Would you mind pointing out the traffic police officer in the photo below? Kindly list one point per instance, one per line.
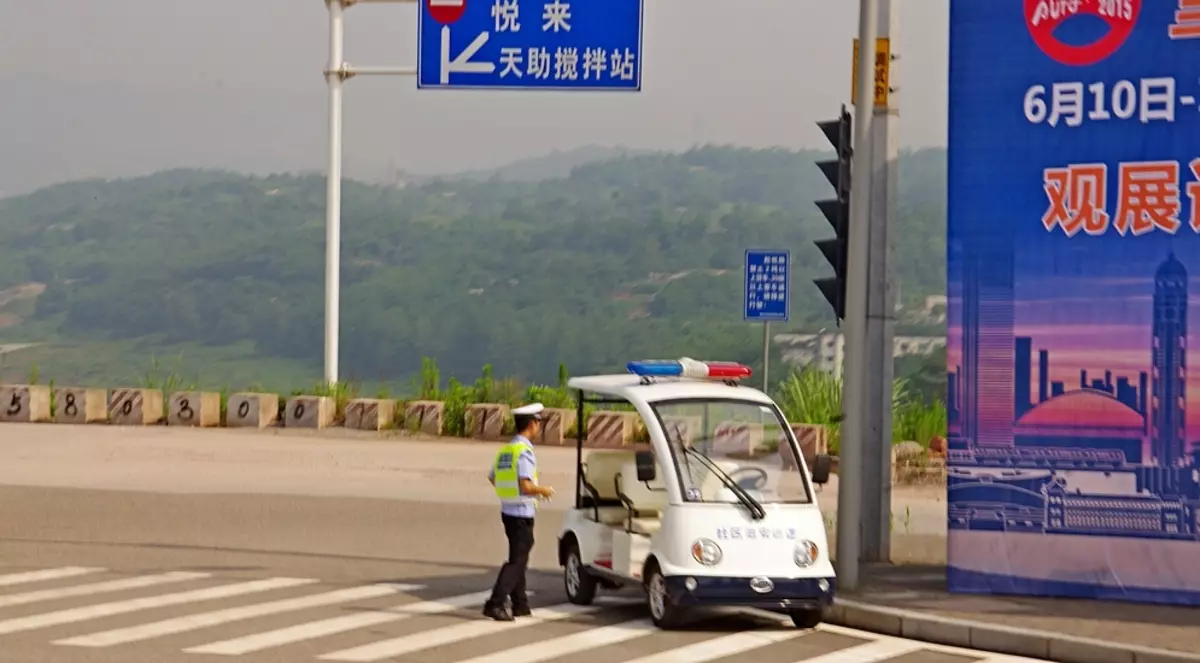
(514, 474)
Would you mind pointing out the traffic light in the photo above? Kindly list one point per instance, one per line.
(837, 210)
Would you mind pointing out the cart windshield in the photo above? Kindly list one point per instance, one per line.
(718, 442)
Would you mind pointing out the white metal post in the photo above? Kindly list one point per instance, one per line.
(766, 351)
(850, 466)
(337, 71)
(335, 76)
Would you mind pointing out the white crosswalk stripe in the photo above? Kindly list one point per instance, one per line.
(136, 582)
(132, 605)
(206, 619)
(570, 644)
(320, 629)
(316, 616)
(871, 652)
(49, 574)
(410, 643)
(729, 645)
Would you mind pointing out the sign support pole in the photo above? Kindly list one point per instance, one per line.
(335, 77)
(337, 72)
(881, 310)
(766, 352)
(850, 469)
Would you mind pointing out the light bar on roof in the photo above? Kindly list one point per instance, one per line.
(689, 368)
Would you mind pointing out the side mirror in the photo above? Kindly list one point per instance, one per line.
(646, 470)
(821, 468)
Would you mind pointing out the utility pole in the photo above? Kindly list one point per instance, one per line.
(850, 466)
(881, 303)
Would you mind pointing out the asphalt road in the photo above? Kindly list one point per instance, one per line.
(159, 546)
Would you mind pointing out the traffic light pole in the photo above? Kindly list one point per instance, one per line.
(853, 438)
(881, 311)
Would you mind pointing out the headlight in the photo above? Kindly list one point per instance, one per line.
(806, 553)
(706, 551)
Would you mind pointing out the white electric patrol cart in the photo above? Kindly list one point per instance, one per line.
(718, 509)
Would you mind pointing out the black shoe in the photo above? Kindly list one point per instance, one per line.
(521, 611)
(497, 612)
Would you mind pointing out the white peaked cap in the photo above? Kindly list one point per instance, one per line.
(532, 408)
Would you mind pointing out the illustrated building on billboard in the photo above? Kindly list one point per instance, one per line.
(1107, 457)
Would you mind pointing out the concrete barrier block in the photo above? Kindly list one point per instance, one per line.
(251, 410)
(370, 413)
(309, 412)
(427, 417)
(734, 437)
(24, 403)
(194, 408)
(813, 440)
(556, 422)
(135, 407)
(485, 421)
(685, 429)
(610, 428)
(76, 405)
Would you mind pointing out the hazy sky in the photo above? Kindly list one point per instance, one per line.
(121, 87)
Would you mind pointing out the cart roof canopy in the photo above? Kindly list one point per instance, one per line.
(635, 388)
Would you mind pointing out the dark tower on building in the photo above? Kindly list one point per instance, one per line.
(1168, 402)
(1022, 380)
(1043, 375)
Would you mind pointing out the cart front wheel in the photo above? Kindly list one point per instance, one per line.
(806, 618)
(663, 612)
(580, 585)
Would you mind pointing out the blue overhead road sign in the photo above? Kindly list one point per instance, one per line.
(530, 44)
(766, 292)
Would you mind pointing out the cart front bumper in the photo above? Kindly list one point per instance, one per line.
(757, 592)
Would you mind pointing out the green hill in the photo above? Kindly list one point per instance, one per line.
(635, 256)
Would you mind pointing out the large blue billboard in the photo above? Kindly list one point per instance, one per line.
(1074, 174)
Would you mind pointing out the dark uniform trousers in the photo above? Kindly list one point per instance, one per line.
(510, 582)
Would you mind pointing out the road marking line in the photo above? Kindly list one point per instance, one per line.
(216, 617)
(451, 634)
(49, 574)
(132, 605)
(136, 582)
(335, 625)
(729, 645)
(870, 652)
(545, 650)
(1004, 658)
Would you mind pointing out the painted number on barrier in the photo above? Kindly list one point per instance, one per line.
(127, 408)
(15, 407)
(243, 409)
(69, 406)
(298, 411)
(185, 409)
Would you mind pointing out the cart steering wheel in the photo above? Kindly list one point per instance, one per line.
(757, 482)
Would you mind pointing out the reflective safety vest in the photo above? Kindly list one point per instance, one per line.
(508, 487)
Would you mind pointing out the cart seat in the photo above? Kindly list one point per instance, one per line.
(645, 526)
(648, 500)
(601, 467)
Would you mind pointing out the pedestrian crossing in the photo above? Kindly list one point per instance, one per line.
(188, 615)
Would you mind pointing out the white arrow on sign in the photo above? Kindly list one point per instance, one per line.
(462, 64)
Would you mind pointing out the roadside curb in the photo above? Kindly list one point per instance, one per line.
(990, 637)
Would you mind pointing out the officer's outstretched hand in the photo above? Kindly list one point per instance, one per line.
(548, 494)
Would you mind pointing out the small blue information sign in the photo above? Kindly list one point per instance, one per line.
(530, 45)
(766, 285)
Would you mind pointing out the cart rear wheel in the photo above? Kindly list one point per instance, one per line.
(580, 585)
